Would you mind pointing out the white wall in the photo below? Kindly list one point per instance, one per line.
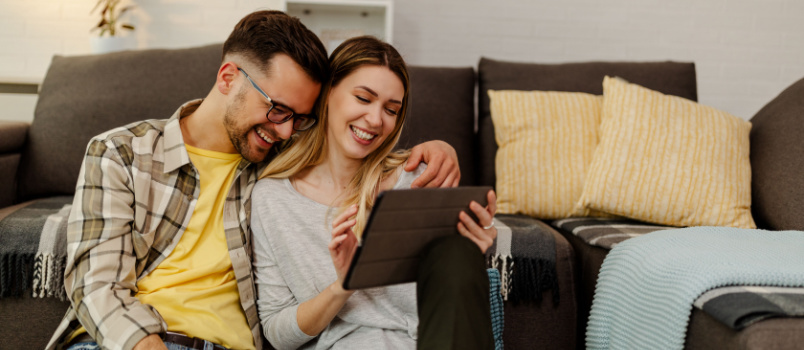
(745, 51)
(32, 31)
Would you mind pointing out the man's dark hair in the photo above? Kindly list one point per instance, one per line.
(261, 35)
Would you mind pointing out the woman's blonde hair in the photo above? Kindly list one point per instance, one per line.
(308, 148)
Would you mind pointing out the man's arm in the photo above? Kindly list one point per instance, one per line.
(442, 165)
(100, 277)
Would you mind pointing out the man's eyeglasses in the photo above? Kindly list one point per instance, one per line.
(279, 114)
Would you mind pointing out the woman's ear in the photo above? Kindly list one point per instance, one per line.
(226, 75)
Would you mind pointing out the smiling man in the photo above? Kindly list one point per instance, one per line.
(159, 245)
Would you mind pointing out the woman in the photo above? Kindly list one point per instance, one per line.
(314, 198)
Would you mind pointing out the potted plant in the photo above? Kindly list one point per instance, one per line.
(111, 27)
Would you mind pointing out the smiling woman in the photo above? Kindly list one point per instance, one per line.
(362, 111)
(328, 180)
(366, 73)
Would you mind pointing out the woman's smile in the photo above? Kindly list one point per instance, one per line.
(363, 136)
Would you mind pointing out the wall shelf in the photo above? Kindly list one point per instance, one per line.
(337, 20)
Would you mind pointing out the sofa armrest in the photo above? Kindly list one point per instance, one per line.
(529, 321)
(13, 136)
(12, 140)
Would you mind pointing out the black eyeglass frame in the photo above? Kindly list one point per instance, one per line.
(300, 118)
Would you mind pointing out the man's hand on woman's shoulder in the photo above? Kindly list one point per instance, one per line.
(442, 165)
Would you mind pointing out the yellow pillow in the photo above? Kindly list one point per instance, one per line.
(668, 160)
(546, 142)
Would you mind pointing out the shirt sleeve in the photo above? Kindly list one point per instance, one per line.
(276, 304)
(100, 277)
(407, 178)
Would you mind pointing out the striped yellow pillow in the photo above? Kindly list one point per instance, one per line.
(668, 160)
(546, 141)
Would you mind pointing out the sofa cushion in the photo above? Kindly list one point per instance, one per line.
(529, 323)
(8, 178)
(606, 232)
(28, 322)
(777, 147)
(83, 96)
(442, 108)
(671, 78)
(670, 161)
(547, 140)
(12, 136)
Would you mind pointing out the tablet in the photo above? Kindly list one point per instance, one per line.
(399, 227)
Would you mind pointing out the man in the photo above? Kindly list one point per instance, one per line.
(158, 239)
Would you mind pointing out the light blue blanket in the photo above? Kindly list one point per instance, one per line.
(647, 284)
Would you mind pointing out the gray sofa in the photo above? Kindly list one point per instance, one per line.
(84, 96)
(776, 162)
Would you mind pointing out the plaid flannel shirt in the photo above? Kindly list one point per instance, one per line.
(135, 195)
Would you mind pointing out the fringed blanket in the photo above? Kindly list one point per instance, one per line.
(525, 255)
(33, 243)
(647, 284)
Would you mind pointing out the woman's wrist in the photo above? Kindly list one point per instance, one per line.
(337, 290)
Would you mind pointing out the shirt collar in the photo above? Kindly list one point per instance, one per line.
(175, 153)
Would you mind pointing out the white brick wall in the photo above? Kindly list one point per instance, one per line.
(746, 51)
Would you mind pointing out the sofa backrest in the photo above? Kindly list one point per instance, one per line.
(672, 78)
(83, 96)
(442, 108)
(777, 161)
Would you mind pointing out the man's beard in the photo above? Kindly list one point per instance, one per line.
(239, 137)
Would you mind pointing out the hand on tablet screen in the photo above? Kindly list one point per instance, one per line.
(344, 242)
(483, 231)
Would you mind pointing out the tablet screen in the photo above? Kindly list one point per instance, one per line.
(400, 226)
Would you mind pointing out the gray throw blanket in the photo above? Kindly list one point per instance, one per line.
(33, 249)
(741, 306)
(525, 255)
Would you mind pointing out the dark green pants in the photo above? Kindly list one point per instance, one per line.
(453, 296)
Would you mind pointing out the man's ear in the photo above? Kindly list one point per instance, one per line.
(226, 76)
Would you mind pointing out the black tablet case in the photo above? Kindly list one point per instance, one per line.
(399, 227)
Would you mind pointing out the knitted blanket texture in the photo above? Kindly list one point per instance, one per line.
(497, 309)
(647, 285)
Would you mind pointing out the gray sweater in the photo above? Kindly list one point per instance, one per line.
(292, 265)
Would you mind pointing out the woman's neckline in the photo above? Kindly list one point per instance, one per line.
(292, 187)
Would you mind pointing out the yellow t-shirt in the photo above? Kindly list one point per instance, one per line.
(197, 293)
